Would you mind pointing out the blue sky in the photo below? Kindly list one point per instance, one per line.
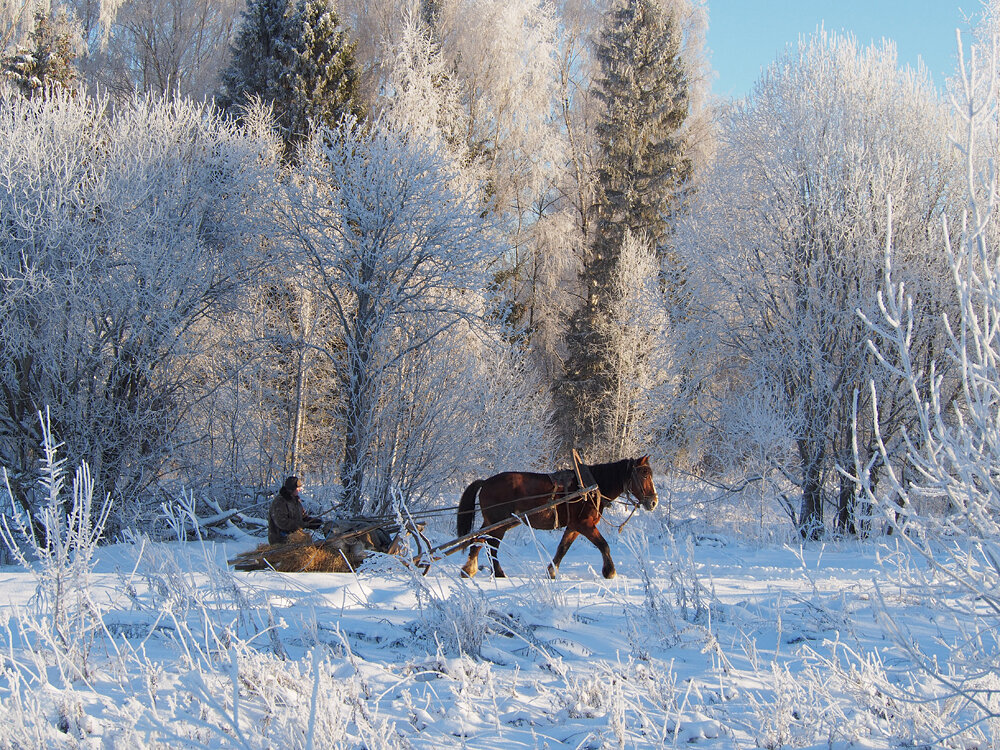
(744, 36)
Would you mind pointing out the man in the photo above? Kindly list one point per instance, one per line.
(287, 514)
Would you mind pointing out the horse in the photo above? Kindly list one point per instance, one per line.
(514, 494)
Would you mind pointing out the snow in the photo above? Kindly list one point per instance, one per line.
(703, 640)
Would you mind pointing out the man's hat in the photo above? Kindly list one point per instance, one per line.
(291, 484)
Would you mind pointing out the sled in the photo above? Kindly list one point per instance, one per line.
(342, 548)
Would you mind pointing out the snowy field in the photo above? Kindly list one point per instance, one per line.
(705, 639)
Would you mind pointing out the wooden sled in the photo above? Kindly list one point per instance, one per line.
(342, 549)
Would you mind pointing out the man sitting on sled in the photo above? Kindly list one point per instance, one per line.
(287, 514)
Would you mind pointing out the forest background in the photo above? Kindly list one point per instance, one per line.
(393, 246)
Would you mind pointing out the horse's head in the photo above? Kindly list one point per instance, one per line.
(640, 483)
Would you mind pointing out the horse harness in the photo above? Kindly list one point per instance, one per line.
(566, 481)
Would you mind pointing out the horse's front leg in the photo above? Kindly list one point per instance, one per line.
(568, 536)
(594, 535)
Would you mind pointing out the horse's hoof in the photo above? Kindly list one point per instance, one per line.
(467, 574)
(609, 574)
(499, 574)
(552, 571)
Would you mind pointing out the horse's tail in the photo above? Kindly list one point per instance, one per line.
(467, 508)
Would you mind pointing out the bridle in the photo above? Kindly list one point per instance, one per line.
(630, 482)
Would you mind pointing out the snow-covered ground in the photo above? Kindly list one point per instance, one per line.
(705, 639)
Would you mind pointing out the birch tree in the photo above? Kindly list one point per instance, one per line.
(790, 229)
(163, 47)
(398, 246)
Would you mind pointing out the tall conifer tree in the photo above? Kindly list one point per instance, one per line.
(642, 176)
(643, 167)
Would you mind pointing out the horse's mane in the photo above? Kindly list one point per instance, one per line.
(610, 475)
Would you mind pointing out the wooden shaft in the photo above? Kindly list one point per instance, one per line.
(463, 541)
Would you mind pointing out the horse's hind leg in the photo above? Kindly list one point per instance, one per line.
(568, 536)
(471, 566)
(494, 542)
(594, 535)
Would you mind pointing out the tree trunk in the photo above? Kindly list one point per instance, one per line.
(847, 507)
(811, 515)
(300, 387)
(361, 400)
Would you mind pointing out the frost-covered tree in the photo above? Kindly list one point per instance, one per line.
(495, 82)
(465, 404)
(635, 328)
(48, 61)
(641, 173)
(162, 47)
(643, 167)
(297, 59)
(126, 233)
(397, 246)
(260, 53)
(500, 58)
(322, 81)
(503, 57)
(423, 98)
(786, 243)
(580, 106)
(17, 19)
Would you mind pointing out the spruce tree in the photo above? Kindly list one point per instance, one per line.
(296, 58)
(47, 63)
(643, 168)
(322, 79)
(260, 52)
(642, 175)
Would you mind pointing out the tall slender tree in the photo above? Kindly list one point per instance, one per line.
(644, 168)
(297, 59)
(641, 179)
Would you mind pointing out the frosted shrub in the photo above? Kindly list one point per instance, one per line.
(457, 620)
(873, 688)
(60, 555)
(667, 613)
(951, 450)
(254, 700)
(198, 600)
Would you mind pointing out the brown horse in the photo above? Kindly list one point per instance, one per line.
(515, 493)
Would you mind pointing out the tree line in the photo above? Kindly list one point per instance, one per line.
(392, 245)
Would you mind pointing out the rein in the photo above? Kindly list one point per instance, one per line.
(635, 507)
(451, 508)
(601, 499)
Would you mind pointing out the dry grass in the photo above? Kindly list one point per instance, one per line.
(301, 554)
